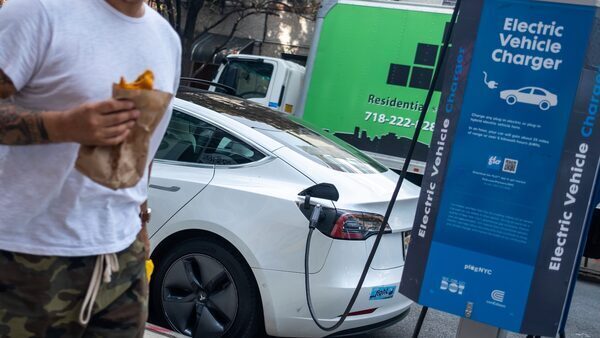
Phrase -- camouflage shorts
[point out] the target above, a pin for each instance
(41, 296)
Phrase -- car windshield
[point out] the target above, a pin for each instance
(321, 148)
(249, 78)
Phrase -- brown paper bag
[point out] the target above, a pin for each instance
(123, 165)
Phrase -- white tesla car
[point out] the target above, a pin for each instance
(530, 95)
(228, 230)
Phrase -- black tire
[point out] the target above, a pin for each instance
(214, 254)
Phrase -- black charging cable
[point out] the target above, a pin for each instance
(316, 212)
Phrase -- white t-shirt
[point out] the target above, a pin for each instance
(60, 54)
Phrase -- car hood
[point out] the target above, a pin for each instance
(362, 192)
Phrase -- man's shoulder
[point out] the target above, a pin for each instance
(33, 8)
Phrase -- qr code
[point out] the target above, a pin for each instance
(510, 165)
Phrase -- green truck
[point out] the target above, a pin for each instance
(368, 72)
(369, 69)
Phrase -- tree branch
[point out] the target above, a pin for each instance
(242, 16)
(218, 22)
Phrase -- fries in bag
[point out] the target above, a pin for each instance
(122, 166)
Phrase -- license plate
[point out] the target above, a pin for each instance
(382, 292)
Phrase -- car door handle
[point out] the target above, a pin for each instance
(170, 189)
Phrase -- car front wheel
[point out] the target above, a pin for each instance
(203, 289)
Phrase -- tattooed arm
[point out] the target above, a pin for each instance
(101, 123)
(17, 125)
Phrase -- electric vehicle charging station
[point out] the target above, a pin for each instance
(546, 53)
(507, 193)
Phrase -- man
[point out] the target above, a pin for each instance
(71, 251)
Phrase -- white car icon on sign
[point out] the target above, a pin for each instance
(530, 95)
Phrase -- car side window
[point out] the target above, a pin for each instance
(525, 90)
(538, 92)
(226, 149)
(184, 138)
(191, 140)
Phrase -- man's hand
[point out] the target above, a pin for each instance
(103, 123)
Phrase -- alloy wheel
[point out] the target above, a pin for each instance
(199, 296)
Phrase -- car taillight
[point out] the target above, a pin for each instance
(356, 225)
(344, 224)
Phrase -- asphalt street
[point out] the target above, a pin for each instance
(583, 322)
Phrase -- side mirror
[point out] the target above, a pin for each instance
(325, 191)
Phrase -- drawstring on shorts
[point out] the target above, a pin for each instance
(105, 266)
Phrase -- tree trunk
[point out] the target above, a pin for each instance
(187, 38)
(186, 58)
